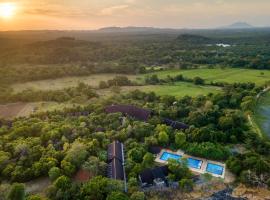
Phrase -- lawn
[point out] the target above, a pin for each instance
(60, 83)
(179, 89)
(13, 110)
(230, 75)
(262, 114)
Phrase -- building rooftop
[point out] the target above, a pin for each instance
(149, 175)
(175, 124)
(130, 110)
(115, 168)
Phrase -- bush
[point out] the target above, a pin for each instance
(54, 173)
(137, 196)
(117, 196)
(198, 81)
(186, 184)
(17, 192)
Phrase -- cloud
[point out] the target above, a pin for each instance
(113, 9)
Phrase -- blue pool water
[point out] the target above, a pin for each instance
(194, 163)
(215, 169)
(166, 156)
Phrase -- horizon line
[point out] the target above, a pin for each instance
(145, 27)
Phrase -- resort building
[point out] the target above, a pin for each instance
(131, 111)
(115, 154)
(142, 114)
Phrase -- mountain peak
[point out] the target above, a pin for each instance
(239, 25)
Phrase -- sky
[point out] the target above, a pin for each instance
(94, 14)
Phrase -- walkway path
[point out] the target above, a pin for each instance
(253, 124)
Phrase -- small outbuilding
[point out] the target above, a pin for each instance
(154, 177)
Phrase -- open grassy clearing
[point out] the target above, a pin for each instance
(60, 83)
(262, 114)
(230, 75)
(178, 90)
(13, 110)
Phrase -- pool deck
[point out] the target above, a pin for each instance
(202, 170)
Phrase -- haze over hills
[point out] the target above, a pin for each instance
(238, 25)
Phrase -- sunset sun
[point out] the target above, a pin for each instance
(7, 10)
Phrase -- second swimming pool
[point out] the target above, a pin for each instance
(214, 169)
(193, 163)
(166, 156)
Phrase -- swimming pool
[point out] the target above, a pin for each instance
(214, 169)
(166, 156)
(194, 163)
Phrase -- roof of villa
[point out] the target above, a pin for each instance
(149, 175)
(175, 124)
(115, 168)
(115, 151)
(130, 110)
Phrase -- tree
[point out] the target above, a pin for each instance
(100, 187)
(4, 157)
(68, 168)
(136, 154)
(76, 154)
(178, 169)
(54, 173)
(137, 196)
(198, 81)
(180, 139)
(117, 196)
(36, 197)
(225, 122)
(148, 160)
(4, 190)
(17, 192)
(62, 182)
(94, 166)
(163, 138)
(103, 85)
(186, 184)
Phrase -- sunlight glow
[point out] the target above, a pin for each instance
(7, 10)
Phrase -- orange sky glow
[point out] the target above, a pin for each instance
(93, 14)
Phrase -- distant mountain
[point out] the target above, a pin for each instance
(133, 29)
(125, 29)
(238, 25)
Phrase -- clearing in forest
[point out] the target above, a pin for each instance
(229, 75)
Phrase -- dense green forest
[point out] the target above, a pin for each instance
(24, 58)
(57, 144)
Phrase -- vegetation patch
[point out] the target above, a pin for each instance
(262, 114)
(228, 75)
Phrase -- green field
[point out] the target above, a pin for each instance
(262, 114)
(230, 75)
(178, 90)
(13, 110)
(61, 83)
